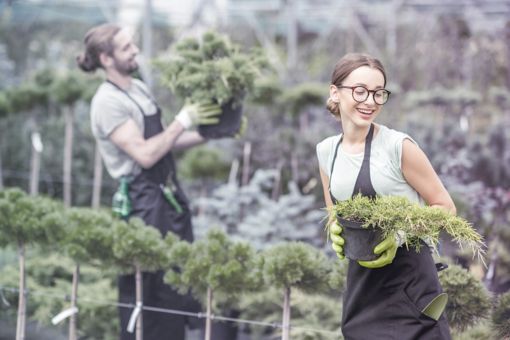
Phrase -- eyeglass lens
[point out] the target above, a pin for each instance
(360, 94)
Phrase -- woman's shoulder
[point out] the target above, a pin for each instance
(391, 137)
(391, 142)
(326, 144)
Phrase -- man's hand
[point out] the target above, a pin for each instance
(198, 114)
(387, 248)
(337, 241)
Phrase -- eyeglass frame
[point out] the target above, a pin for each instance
(368, 93)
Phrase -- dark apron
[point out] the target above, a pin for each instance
(149, 203)
(386, 303)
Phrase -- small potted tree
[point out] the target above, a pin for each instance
(216, 270)
(87, 239)
(136, 248)
(295, 265)
(24, 220)
(367, 221)
(213, 69)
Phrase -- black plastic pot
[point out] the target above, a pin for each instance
(229, 124)
(359, 242)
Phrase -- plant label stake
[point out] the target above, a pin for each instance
(134, 317)
(64, 315)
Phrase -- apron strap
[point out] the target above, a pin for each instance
(363, 183)
(364, 173)
(333, 199)
(132, 99)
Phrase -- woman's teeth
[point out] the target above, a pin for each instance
(366, 112)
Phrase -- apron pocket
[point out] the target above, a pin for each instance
(436, 307)
(418, 312)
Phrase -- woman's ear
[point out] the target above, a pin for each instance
(333, 93)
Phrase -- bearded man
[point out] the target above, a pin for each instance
(136, 149)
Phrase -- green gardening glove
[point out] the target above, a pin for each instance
(242, 128)
(387, 249)
(198, 114)
(337, 241)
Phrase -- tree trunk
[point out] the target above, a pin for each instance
(74, 299)
(246, 164)
(304, 122)
(234, 168)
(208, 319)
(147, 44)
(68, 153)
(139, 302)
(277, 186)
(292, 36)
(98, 179)
(20, 326)
(294, 166)
(286, 314)
(35, 162)
(1, 175)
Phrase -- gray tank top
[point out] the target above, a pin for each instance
(385, 166)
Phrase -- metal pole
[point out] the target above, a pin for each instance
(291, 35)
(147, 42)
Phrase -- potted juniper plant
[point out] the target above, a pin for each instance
(366, 222)
(213, 69)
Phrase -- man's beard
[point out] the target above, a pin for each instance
(126, 68)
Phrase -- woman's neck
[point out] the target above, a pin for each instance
(354, 135)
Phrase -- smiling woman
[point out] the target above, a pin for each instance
(385, 298)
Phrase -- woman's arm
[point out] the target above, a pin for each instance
(420, 174)
(327, 197)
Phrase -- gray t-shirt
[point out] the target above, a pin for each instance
(109, 109)
(385, 166)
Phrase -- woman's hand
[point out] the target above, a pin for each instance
(337, 241)
(387, 248)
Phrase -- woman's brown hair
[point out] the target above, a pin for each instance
(98, 40)
(344, 67)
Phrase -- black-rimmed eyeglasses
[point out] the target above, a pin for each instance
(361, 93)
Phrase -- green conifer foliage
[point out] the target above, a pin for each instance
(215, 269)
(25, 219)
(27, 97)
(310, 312)
(89, 236)
(294, 265)
(393, 213)
(49, 279)
(303, 95)
(136, 248)
(501, 316)
(211, 68)
(4, 105)
(136, 244)
(69, 88)
(468, 300)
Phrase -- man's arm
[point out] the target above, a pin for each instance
(145, 152)
(188, 139)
